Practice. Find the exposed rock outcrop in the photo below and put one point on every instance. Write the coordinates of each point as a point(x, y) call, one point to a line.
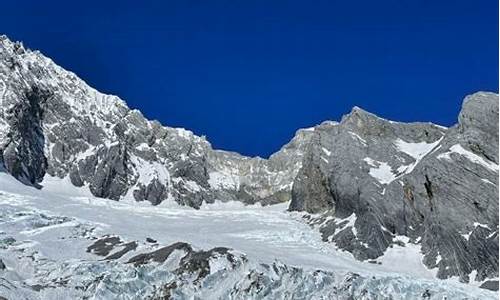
point(436, 186)
point(52, 123)
point(370, 183)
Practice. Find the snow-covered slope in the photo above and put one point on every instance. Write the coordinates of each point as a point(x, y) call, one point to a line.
point(414, 199)
point(52, 122)
point(63, 243)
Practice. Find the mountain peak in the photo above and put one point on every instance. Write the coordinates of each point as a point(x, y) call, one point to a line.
point(375, 180)
point(360, 118)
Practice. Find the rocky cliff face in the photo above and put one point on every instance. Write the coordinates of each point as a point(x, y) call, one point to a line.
point(52, 123)
point(380, 184)
point(368, 184)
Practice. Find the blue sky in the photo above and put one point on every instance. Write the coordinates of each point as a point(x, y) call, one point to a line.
point(247, 74)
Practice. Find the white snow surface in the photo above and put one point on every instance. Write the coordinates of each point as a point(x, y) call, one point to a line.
point(326, 151)
point(458, 149)
point(264, 234)
point(415, 150)
point(357, 137)
point(380, 171)
point(383, 172)
point(220, 180)
point(148, 171)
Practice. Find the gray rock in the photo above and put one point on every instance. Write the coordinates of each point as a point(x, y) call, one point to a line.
point(311, 183)
point(22, 152)
point(51, 122)
point(444, 198)
point(490, 285)
point(368, 180)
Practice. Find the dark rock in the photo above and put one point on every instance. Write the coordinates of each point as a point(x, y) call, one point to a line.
point(150, 240)
point(311, 191)
point(23, 153)
point(198, 262)
point(104, 246)
point(490, 285)
point(159, 255)
point(131, 246)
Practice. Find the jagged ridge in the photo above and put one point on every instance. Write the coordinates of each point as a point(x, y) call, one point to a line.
point(54, 123)
point(372, 180)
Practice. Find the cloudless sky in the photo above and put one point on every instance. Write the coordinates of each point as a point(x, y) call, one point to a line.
point(248, 74)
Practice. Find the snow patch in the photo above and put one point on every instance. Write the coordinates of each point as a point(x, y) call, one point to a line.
point(148, 171)
point(192, 186)
point(357, 137)
point(219, 180)
point(477, 224)
point(349, 222)
point(487, 181)
point(458, 149)
point(186, 134)
point(380, 171)
point(415, 150)
point(408, 257)
point(219, 263)
point(466, 235)
point(328, 153)
point(142, 147)
point(438, 259)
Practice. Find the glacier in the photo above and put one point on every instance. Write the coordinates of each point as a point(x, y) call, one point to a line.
point(108, 204)
point(45, 234)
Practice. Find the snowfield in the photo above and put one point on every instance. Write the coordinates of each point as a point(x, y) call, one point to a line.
point(42, 220)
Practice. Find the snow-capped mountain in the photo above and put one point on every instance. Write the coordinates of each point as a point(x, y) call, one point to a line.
point(374, 180)
point(53, 123)
point(366, 186)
